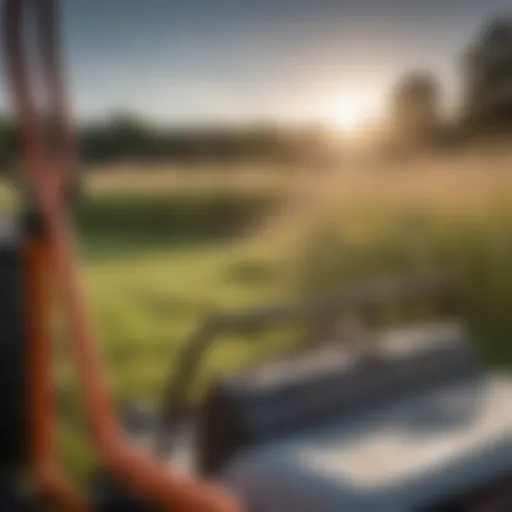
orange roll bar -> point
(48, 175)
(41, 384)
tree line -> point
(414, 119)
(126, 137)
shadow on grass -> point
(101, 248)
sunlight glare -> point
(347, 116)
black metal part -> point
(13, 348)
(496, 497)
(13, 500)
(109, 496)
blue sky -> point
(188, 61)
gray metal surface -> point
(447, 440)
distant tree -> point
(126, 137)
(122, 136)
(415, 104)
(487, 67)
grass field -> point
(151, 280)
(164, 249)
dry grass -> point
(464, 184)
(154, 179)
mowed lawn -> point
(146, 305)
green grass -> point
(147, 298)
(156, 265)
(146, 301)
(176, 215)
(474, 253)
(146, 306)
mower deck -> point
(422, 451)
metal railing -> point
(364, 299)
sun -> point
(349, 112)
(347, 116)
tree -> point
(415, 106)
(488, 76)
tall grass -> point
(473, 252)
(452, 219)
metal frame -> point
(51, 267)
(364, 299)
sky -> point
(236, 61)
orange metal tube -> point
(41, 384)
(47, 176)
(154, 481)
